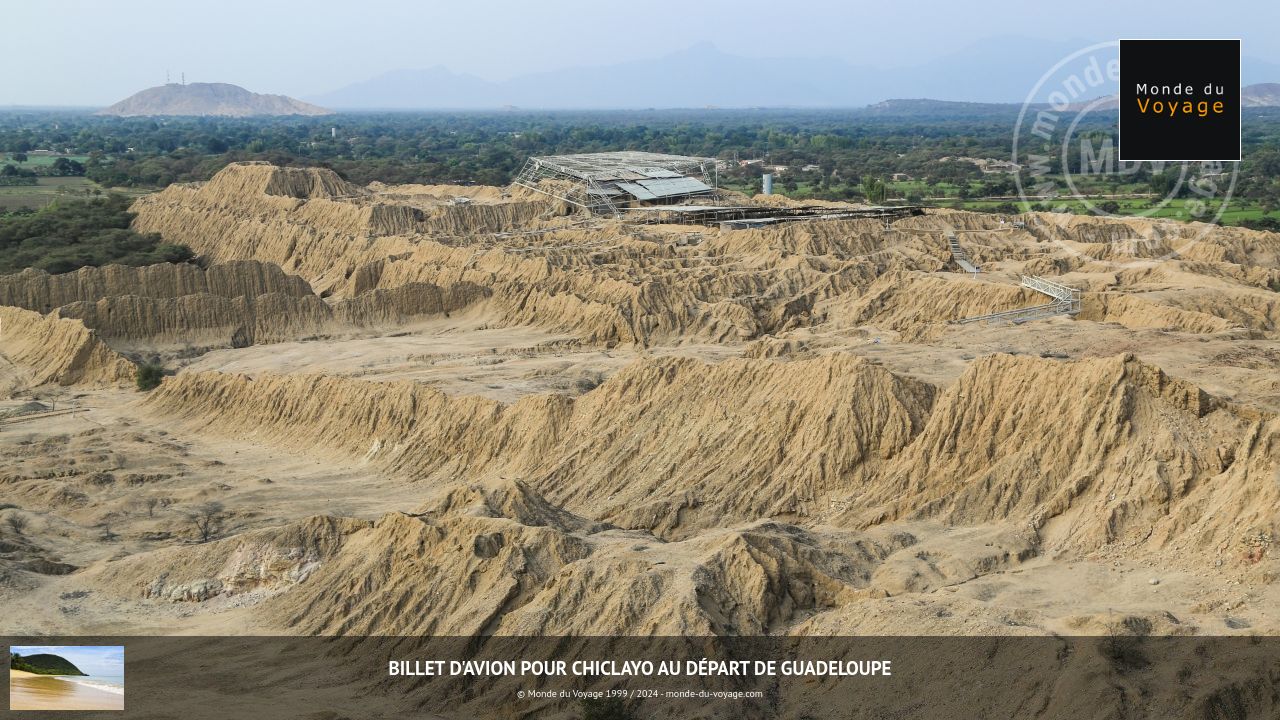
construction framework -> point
(604, 183)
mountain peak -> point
(205, 99)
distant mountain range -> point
(978, 80)
(908, 107)
(205, 99)
(997, 70)
(1261, 95)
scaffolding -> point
(604, 183)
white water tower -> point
(768, 184)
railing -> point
(960, 256)
(1020, 315)
(1066, 301)
(1057, 291)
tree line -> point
(826, 153)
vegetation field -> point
(45, 191)
(1239, 210)
(50, 189)
(35, 161)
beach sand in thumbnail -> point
(28, 691)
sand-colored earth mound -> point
(667, 444)
(919, 306)
(261, 178)
(467, 410)
(528, 576)
(208, 320)
(37, 290)
(51, 350)
(500, 559)
(1090, 452)
(232, 304)
(259, 561)
(610, 283)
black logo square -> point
(1179, 100)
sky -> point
(91, 659)
(95, 52)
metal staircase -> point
(958, 254)
(1066, 301)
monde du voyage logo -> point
(1180, 100)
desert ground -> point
(438, 410)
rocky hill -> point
(203, 99)
(1261, 95)
(44, 664)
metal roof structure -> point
(730, 217)
(600, 182)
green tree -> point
(874, 190)
(64, 167)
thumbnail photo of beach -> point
(66, 677)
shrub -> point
(148, 376)
(17, 523)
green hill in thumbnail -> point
(43, 664)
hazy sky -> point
(94, 52)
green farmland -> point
(49, 189)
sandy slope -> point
(538, 423)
